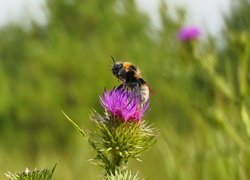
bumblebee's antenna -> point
(113, 59)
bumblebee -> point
(131, 79)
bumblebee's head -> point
(117, 69)
(123, 70)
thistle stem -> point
(115, 163)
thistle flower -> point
(117, 138)
(124, 105)
(189, 33)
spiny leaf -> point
(36, 174)
(76, 126)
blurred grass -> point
(201, 102)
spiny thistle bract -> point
(36, 174)
(120, 132)
(125, 175)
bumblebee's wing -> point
(152, 92)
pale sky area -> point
(21, 11)
(205, 14)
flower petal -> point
(123, 104)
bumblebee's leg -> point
(138, 93)
(121, 86)
(136, 90)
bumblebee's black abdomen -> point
(133, 82)
(141, 81)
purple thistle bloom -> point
(123, 104)
(189, 33)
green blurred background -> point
(201, 102)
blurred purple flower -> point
(189, 33)
(123, 104)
